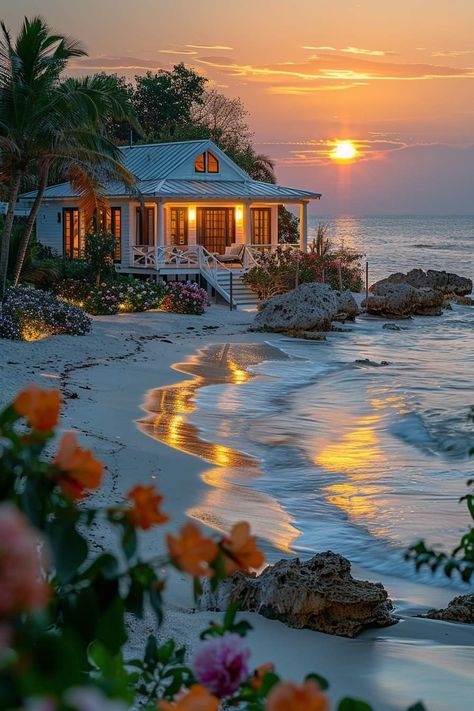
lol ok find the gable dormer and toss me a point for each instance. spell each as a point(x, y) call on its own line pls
point(206, 162)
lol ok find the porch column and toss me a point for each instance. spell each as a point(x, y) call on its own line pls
point(304, 226)
point(247, 224)
point(161, 225)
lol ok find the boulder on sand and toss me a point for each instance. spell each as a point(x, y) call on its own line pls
point(319, 594)
point(460, 609)
point(400, 300)
point(446, 282)
point(309, 307)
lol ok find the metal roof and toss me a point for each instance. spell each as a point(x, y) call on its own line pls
point(152, 163)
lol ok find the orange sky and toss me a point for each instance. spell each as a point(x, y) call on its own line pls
point(396, 77)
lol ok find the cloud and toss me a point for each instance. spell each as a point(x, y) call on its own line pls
point(332, 67)
point(322, 48)
point(351, 50)
point(177, 51)
point(210, 46)
point(452, 52)
point(107, 62)
point(307, 90)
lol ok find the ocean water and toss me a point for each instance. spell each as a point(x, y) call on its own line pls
point(359, 458)
point(398, 243)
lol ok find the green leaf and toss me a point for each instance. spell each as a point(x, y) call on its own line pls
point(417, 707)
point(349, 704)
point(165, 652)
point(69, 548)
point(129, 540)
point(111, 628)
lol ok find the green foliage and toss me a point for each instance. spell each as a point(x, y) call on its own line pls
point(99, 252)
point(461, 558)
point(288, 226)
point(112, 297)
point(285, 268)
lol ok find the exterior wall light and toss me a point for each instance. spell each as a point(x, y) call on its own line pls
point(191, 214)
point(239, 213)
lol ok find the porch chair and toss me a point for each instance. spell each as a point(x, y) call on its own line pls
point(233, 254)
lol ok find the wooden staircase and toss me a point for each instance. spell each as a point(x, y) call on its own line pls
point(242, 296)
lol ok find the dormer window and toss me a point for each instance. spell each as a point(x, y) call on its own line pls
point(206, 163)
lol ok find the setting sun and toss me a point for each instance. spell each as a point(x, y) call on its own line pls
point(344, 150)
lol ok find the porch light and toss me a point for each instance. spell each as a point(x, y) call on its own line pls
point(191, 214)
point(239, 213)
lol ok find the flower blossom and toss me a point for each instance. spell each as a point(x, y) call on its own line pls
point(145, 512)
point(220, 664)
point(240, 550)
point(22, 586)
point(39, 406)
point(79, 470)
point(286, 695)
point(88, 698)
point(191, 551)
point(196, 699)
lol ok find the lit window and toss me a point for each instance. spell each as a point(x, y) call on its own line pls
point(212, 163)
point(200, 163)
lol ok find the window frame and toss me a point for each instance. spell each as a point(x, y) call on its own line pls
point(68, 214)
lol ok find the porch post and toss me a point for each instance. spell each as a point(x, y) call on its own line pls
point(304, 226)
point(161, 225)
point(247, 224)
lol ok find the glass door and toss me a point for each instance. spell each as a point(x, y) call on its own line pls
point(179, 226)
point(215, 228)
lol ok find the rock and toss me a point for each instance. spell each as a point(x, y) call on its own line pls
point(306, 335)
point(460, 609)
point(462, 300)
point(446, 282)
point(391, 327)
point(400, 300)
point(319, 594)
point(346, 306)
point(309, 307)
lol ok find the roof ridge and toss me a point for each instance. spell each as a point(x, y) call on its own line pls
point(164, 143)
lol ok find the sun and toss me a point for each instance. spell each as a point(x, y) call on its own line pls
point(344, 150)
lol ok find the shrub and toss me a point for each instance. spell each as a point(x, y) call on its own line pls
point(283, 269)
point(112, 297)
point(185, 298)
point(28, 314)
point(64, 603)
point(99, 252)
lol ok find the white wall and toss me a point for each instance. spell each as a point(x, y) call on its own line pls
point(48, 230)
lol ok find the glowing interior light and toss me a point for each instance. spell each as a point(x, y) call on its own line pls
point(191, 214)
point(239, 213)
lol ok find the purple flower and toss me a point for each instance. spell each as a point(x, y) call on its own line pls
point(220, 664)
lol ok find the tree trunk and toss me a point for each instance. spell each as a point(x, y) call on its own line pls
point(7, 230)
point(26, 236)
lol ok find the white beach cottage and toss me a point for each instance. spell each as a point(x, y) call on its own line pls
point(193, 214)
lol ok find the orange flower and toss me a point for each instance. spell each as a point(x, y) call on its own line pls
point(260, 673)
point(240, 550)
point(40, 407)
point(79, 469)
point(197, 699)
point(286, 695)
point(145, 512)
point(192, 551)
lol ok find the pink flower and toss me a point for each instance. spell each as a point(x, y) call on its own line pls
point(22, 585)
point(220, 664)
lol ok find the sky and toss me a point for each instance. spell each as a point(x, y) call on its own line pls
point(396, 78)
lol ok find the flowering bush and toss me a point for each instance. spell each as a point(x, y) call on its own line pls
point(112, 297)
point(283, 269)
point(63, 603)
point(28, 314)
point(185, 298)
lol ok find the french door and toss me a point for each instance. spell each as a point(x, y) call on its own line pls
point(73, 242)
point(179, 225)
point(215, 228)
point(261, 225)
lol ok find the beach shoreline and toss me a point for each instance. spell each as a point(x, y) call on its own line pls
point(105, 378)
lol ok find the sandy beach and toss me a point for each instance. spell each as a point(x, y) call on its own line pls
point(107, 379)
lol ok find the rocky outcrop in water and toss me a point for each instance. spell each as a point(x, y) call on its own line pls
point(309, 307)
point(446, 282)
point(460, 609)
point(392, 300)
point(319, 594)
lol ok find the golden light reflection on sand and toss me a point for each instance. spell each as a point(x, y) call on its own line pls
point(169, 407)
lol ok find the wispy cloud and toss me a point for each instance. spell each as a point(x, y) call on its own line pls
point(210, 46)
point(108, 62)
point(351, 50)
point(307, 90)
point(452, 52)
point(177, 51)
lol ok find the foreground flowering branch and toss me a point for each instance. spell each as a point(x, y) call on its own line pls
point(63, 606)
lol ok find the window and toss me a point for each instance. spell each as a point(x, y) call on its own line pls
point(261, 225)
point(212, 163)
point(145, 226)
point(116, 230)
point(73, 241)
point(206, 163)
point(179, 225)
point(200, 163)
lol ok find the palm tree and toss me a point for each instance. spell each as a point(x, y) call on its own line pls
point(47, 123)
